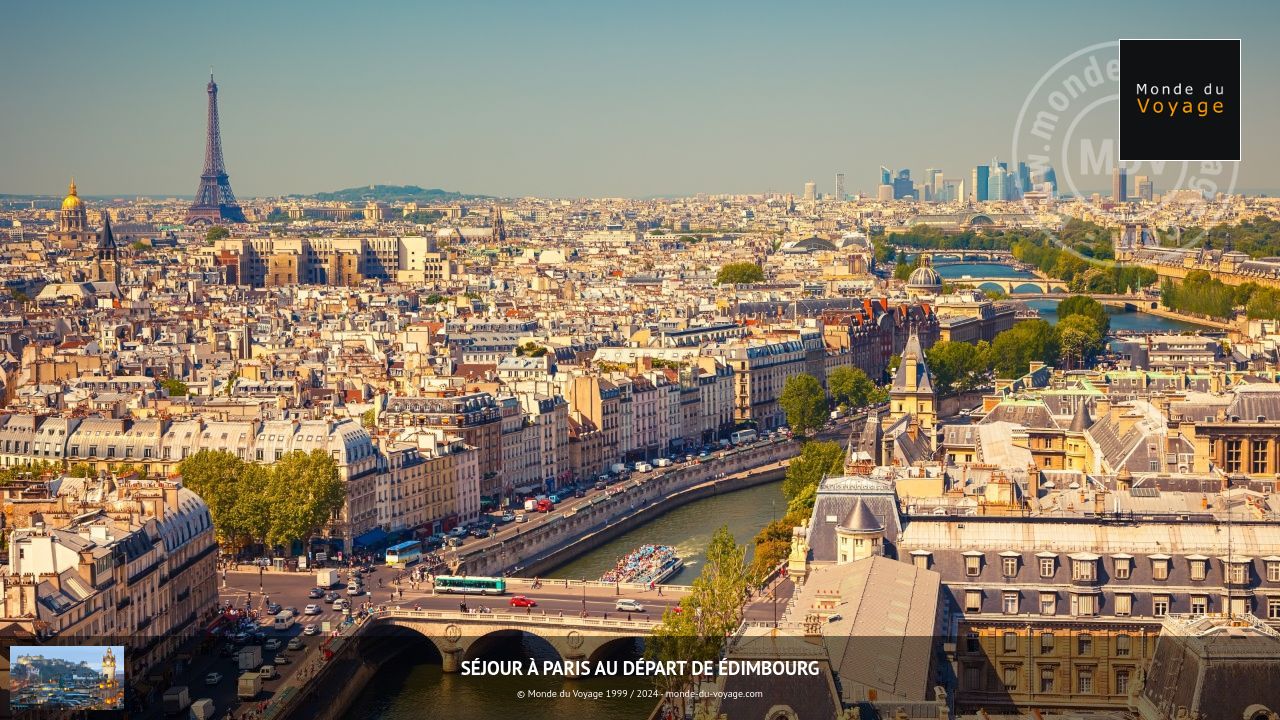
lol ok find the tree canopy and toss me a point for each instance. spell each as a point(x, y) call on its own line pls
point(741, 273)
point(1030, 340)
point(816, 460)
point(958, 365)
point(851, 388)
point(273, 504)
point(217, 232)
point(175, 387)
point(805, 403)
point(1080, 339)
point(711, 611)
point(1087, 306)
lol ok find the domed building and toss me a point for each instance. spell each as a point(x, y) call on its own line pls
point(924, 280)
point(73, 223)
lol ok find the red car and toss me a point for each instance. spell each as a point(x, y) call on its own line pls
point(522, 601)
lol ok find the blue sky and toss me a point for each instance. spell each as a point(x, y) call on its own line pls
point(557, 98)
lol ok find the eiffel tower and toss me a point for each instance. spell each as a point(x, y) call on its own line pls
point(214, 200)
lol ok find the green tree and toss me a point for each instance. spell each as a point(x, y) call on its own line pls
point(224, 482)
point(742, 273)
point(368, 418)
point(1015, 348)
point(804, 402)
point(851, 387)
point(711, 612)
point(81, 470)
point(1088, 307)
point(1080, 339)
point(175, 387)
point(304, 491)
point(958, 365)
point(434, 299)
point(815, 461)
point(215, 233)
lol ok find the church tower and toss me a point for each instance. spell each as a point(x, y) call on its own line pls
point(912, 390)
point(106, 258)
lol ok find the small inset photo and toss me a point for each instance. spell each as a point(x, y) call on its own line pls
point(66, 681)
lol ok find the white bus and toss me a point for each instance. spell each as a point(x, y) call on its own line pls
point(742, 437)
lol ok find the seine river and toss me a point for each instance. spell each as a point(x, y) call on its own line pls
point(413, 685)
point(1130, 320)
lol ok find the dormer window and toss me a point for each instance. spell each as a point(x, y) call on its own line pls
point(1199, 565)
point(972, 563)
point(1160, 567)
point(1084, 566)
point(1009, 564)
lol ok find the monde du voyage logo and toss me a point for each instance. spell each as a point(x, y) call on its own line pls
point(1180, 100)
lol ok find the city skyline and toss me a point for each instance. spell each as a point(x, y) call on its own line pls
point(511, 101)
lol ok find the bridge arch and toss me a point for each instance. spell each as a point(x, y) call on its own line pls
point(616, 647)
point(1026, 287)
point(993, 285)
point(508, 640)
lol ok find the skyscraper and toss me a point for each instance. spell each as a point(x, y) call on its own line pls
point(839, 186)
point(1119, 185)
point(1143, 188)
point(998, 184)
point(1051, 177)
point(810, 191)
point(886, 177)
point(1024, 178)
point(902, 185)
point(981, 178)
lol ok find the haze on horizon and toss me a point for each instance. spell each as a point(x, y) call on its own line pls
point(566, 99)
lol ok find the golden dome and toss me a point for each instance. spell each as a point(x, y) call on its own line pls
point(72, 201)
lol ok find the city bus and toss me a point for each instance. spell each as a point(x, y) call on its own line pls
point(471, 585)
point(406, 553)
point(743, 436)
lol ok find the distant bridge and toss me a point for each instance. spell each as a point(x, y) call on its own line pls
point(956, 256)
point(1132, 302)
point(1021, 287)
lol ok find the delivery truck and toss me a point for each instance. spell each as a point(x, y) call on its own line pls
point(202, 709)
point(249, 686)
point(327, 578)
point(176, 700)
point(250, 657)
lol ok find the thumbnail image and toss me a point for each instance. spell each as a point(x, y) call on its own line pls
point(55, 682)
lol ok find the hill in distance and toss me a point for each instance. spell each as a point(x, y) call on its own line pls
point(394, 193)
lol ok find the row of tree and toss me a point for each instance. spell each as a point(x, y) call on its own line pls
point(1201, 293)
point(807, 405)
point(276, 505)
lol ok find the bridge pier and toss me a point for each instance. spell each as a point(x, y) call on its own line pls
point(451, 660)
point(571, 665)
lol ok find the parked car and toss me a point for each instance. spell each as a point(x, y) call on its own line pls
point(281, 660)
point(628, 605)
point(508, 517)
point(311, 610)
point(522, 601)
point(520, 518)
point(330, 597)
point(272, 644)
point(292, 610)
point(213, 678)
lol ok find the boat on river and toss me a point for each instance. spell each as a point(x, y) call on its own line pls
point(646, 564)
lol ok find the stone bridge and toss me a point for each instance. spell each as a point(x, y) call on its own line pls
point(459, 636)
point(942, 257)
point(1014, 286)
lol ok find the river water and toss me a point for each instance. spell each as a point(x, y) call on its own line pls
point(413, 685)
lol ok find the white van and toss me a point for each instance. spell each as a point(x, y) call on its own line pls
point(354, 588)
point(284, 620)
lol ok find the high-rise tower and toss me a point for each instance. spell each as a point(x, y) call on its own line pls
point(214, 200)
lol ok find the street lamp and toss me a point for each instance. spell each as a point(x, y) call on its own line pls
point(584, 597)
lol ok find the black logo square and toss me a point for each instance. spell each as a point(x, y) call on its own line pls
point(1180, 100)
